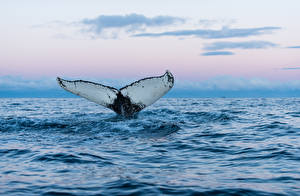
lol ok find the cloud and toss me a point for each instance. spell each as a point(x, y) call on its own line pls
point(239, 45)
point(225, 32)
point(240, 83)
point(216, 22)
point(229, 86)
point(217, 53)
point(138, 25)
point(130, 22)
point(14, 86)
point(21, 83)
point(295, 47)
point(208, 22)
point(17, 86)
point(290, 68)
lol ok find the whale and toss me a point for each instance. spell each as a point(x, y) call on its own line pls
point(126, 101)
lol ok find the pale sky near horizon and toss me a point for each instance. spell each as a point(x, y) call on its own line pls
point(196, 40)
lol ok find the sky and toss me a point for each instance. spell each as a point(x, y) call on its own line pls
point(214, 48)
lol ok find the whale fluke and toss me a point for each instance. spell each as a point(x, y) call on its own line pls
point(128, 100)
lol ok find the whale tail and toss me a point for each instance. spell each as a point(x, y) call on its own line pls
point(126, 101)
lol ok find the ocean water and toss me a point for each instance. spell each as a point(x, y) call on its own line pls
point(174, 147)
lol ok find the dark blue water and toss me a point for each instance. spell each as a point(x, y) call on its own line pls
point(177, 146)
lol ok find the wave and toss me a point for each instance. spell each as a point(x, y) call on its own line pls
point(81, 158)
point(132, 187)
point(176, 146)
point(150, 127)
point(206, 117)
point(13, 153)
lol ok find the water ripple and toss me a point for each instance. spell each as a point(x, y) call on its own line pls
point(174, 147)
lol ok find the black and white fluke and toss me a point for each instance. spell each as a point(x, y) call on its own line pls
point(126, 101)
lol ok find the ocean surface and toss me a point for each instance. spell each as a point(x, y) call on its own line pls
point(174, 147)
